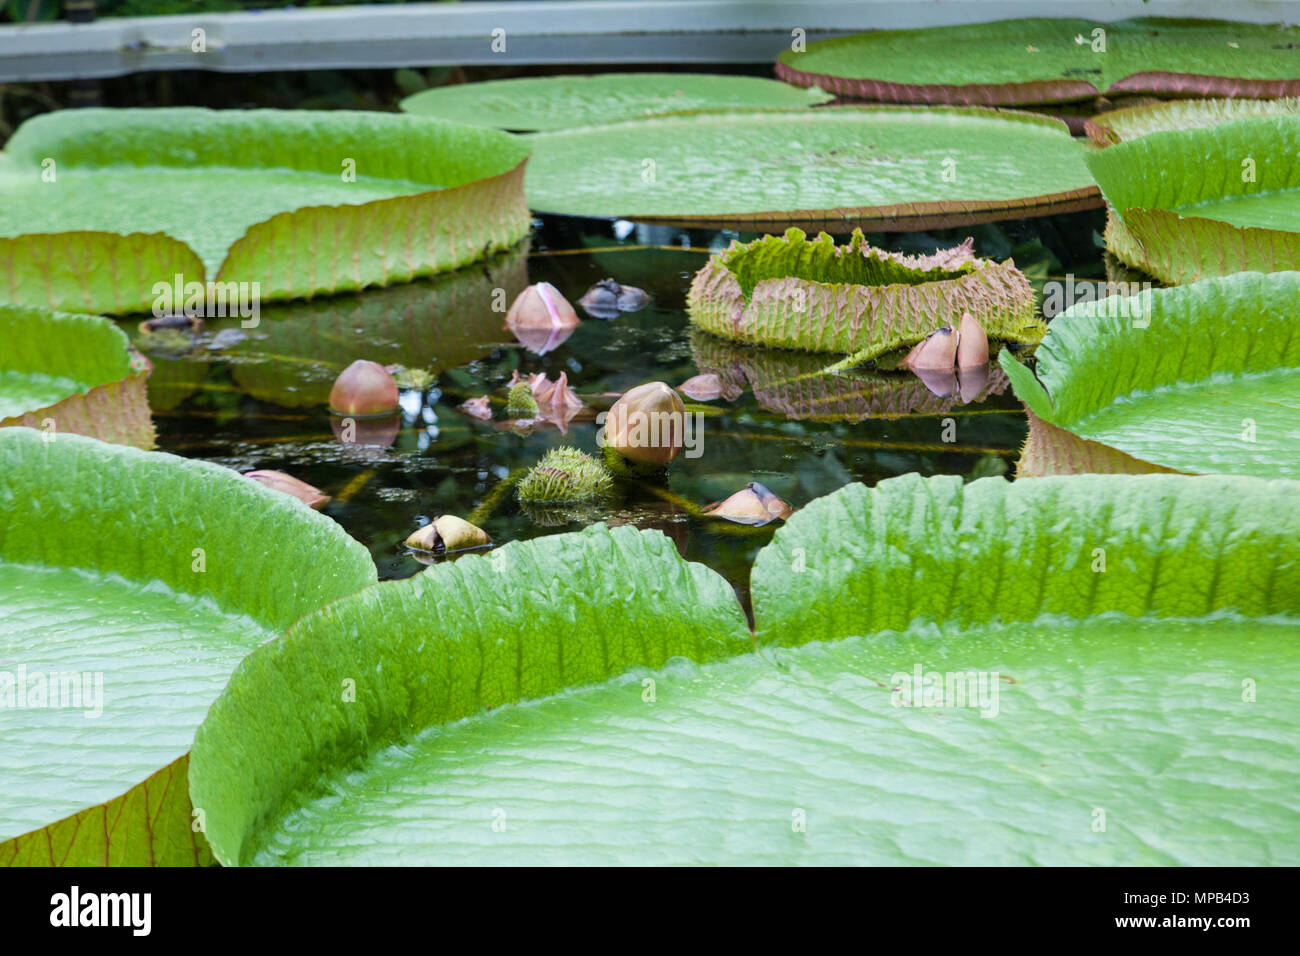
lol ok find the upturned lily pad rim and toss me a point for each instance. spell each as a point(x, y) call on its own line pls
point(1031, 92)
point(462, 167)
point(940, 521)
point(83, 531)
point(1102, 129)
point(593, 80)
point(899, 217)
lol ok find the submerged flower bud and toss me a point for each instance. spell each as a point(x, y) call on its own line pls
point(447, 533)
point(541, 318)
point(364, 388)
point(755, 504)
point(310, 496)
point(647, 424)
point(606, 299)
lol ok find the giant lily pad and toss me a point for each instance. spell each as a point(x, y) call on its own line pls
point(1203, 378)
point(300, 202)
point(1134, 122)
point(1052, 61)
point(603, 748)
point(792, 292)
point(72, 373)
point(1205, 202)
point(831, 168)
point(142, 579)
point(563, 102)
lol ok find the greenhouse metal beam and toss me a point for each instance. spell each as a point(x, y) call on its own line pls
point(543, 31)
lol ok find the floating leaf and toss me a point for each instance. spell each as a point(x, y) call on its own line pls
point(66, 373)
point(833, 169)
point(146, 578)
point(300, 202)
point(792, 292)
point(563, 102)
point(461, 637)
point(1203, 378)
point(822, 751)
point(1038, 60)
point(1205, 202)
point(1134, 122)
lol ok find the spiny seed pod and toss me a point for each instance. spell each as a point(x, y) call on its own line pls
point(364, 388)
point(754, 505)
point(520, 402)
point(647, 424)
point(411, 377)
point(311, 496)
point(564, 475)
point(447, 533)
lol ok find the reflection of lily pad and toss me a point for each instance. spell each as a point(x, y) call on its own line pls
point(1205, 202)
point(299, 348)
point(147, 578)
point(1050, 61)
point(301, 202)
point(1134, 122)
point(791, 292)
point(829, 168)
point(563, 102)
point(72, 373)
point(538, 716)
point(1202, 378)
point(789, 384)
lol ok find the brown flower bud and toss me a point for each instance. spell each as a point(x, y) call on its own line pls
point(647, 424)
point(755, 505)
point(541, 318)
point(362, 389)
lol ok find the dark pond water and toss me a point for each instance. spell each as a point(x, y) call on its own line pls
point(261, 402)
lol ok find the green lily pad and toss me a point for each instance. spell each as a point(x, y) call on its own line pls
point(1194, 203)
point(300, 202)
point(795, 293)
point(1052, 61)
point(829, 168)
point(1203, 378)
point(652, 733)
point(144, 578)
point(63, 372)
point(563, 102)
point(1134, 122)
